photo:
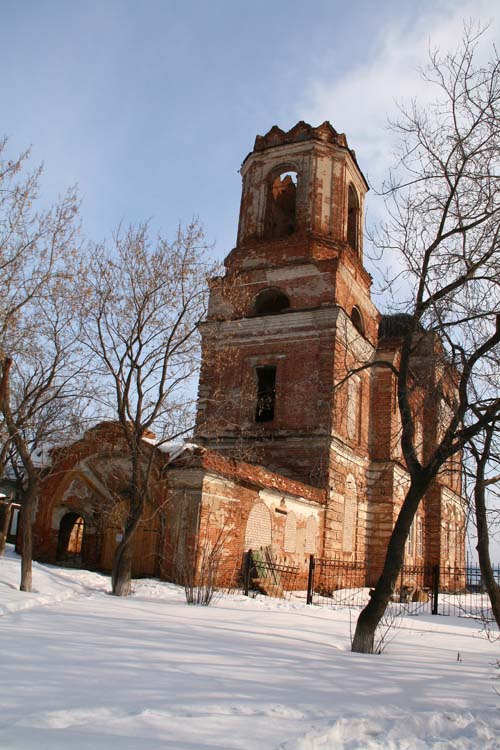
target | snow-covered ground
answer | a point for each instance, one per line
(85, 670)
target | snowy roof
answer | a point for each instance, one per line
(41, 456)
(173, 448)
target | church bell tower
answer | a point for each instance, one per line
(292, 313)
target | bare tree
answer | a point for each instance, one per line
(208, 568)
(443, 232)
(37, 359)
(144, 300)
(485, 451)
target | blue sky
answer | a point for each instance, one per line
(150, 107)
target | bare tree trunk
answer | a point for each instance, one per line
(483, 552)
(446, 162)
(26, 521)
(483, 544)
(29, 495)
(366, 626)
(121, 575)
(5, 527)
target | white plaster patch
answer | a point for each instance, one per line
(294, 272)
(300, 506)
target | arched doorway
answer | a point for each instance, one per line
(70, 539)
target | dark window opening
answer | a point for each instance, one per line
(281, 205)
(270, 302)
(266, 394)
(352, 218)
(357, 320)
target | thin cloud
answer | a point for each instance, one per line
(363, 100)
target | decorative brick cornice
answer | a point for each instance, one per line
(309, 320)
(302, 131)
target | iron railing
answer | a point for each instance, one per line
(437, 590)
(262, 574)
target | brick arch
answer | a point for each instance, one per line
(281, 201)
(258, 531)
(79, 469)
(277, 169)
(79, 486)
(87, 470)
(270, 301)
(58, 502)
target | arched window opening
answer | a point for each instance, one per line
(70, 539)
(271, 302)
(357, 320)
(281, 205)
(353, 218)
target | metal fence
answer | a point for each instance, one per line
(462, 592)
(262, 574)
(437, 590)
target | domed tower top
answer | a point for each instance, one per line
(304, 181)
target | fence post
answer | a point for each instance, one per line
(246, 572)
(310, 580)
(435, 590)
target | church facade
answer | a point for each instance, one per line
(297, 440)
(290, 328)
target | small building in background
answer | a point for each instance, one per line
(10, 508)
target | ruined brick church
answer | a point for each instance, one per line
(291, 451)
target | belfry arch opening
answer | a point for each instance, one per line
(281, 205)
(70, 539)
(353, 218)
(357, 320)
(271, 302)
